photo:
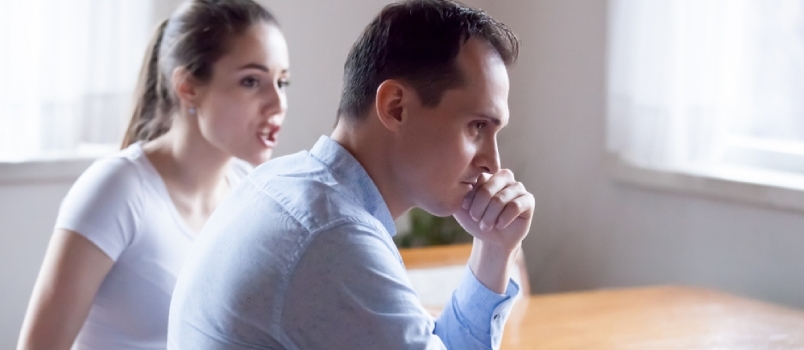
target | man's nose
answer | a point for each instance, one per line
(489, 157)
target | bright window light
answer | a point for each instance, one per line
(707, 84)
(67, 74)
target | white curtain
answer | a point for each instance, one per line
(67, 74)
(690, 78)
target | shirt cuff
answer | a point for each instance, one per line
(481, 309)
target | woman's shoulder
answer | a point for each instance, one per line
(122, 171)
(104, 203)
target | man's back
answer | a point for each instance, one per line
(301, 256)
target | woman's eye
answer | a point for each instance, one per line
(479, 125)
(250, 82)
(283, 84)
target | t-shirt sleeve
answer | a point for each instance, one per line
(103, 205)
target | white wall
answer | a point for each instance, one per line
(589, 232)
(27, 215)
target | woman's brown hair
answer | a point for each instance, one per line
(194, 37)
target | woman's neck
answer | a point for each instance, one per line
(189, 164)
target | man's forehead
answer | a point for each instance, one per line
(480, 63)
(476, 53)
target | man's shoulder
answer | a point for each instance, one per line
(307, 190)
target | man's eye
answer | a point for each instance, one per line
(250, 82)
(479, 125)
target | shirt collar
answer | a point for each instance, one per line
(344, 166)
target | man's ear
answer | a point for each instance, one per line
(392, 103)
(185, 86)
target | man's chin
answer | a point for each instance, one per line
(443, 209)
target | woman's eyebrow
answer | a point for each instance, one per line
(255, 66)
(260, 67)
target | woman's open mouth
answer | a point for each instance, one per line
(267, 138)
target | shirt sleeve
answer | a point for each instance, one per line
(102, 205)
(476, 310)
(350, 291)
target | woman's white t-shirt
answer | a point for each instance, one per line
(121, 205)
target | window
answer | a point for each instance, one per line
(67, 74)
(708, 86)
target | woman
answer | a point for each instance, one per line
(212, 89)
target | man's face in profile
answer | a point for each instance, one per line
(447, 147)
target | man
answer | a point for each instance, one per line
(300, 256)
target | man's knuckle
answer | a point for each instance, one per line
(485, 192)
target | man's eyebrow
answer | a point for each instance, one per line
(494, 120)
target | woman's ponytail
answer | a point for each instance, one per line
(152, 97)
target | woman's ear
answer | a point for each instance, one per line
(392, 103)
(185, 86)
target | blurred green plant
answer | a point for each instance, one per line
(427, 230)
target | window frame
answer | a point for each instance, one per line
(54, 170)
(732, 183)
(767, 173)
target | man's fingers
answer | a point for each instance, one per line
(483, 178)
(498, 203)
(484, 193)
(470, 197)
(516, 208)
(467, 201)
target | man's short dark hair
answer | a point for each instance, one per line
(417, 41)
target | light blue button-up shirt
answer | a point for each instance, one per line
(300, 256)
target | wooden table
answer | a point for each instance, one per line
(651, 318)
